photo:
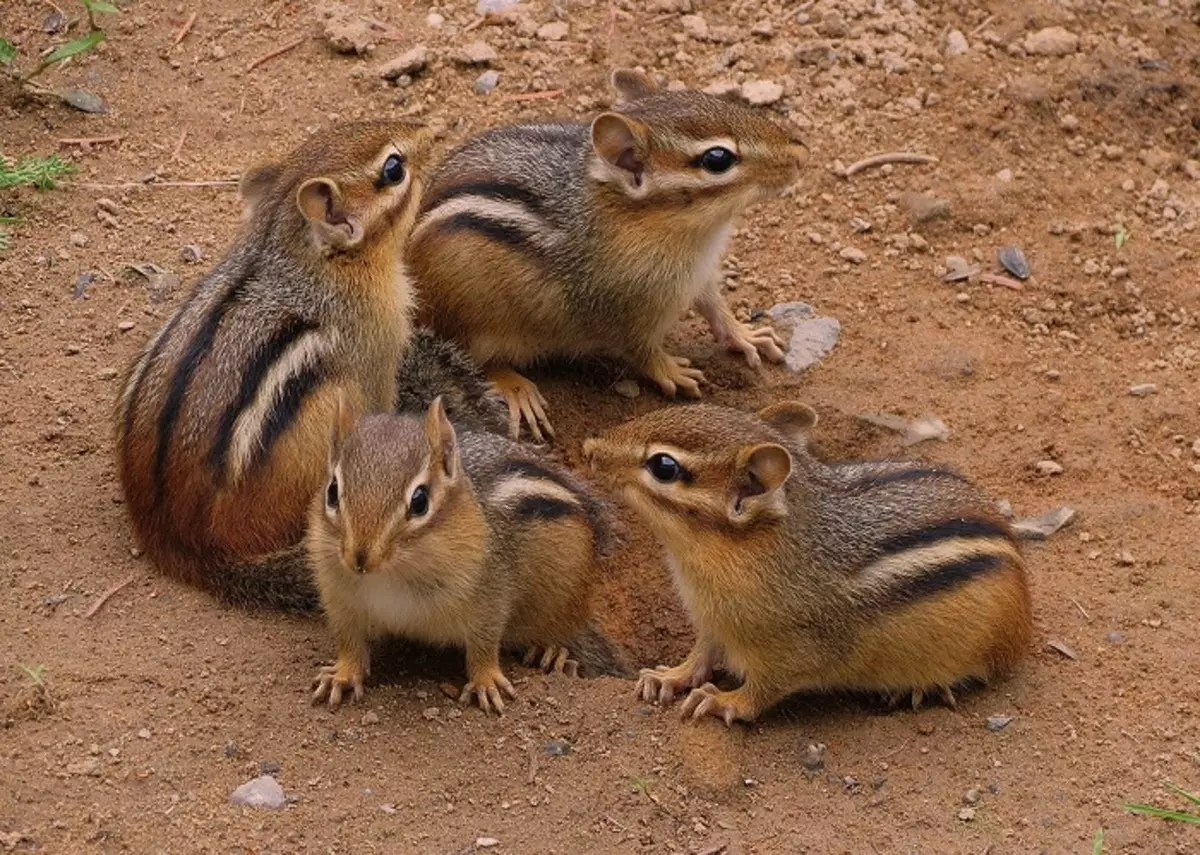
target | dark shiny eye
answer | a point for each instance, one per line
(664, 468)
(717, 159)
(418, 503)
(393, 171)
(331, 494)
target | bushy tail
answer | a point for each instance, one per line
(598, 655)
(279, 580)
(434, 366)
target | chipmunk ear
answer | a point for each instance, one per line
(791, 418)
(333, 229)
(618, 141)
(632, 85)
(443, 442)
(759, 475)
(256, 184)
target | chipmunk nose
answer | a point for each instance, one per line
(360, 560)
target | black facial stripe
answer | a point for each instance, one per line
(940, 578)
(544, 508)
(958, 528)
(496, 230)
(291, 398)
(197, 349)
(498, 190)
(252, 378)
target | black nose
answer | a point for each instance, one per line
(360, 560)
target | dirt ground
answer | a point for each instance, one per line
(134, 724)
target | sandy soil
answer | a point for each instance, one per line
(149, 713)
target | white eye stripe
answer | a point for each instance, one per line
(695, 149)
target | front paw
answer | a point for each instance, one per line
(659, 685)
(674, 375)
(554, 659)
(727, 706)
(757, 342)
(332, 680)
(488, 689)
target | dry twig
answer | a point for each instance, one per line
(995, 279)
(888, 157)
(184, 30)
(179, 145)
(279, 51)
(103, 598)
(90, 141)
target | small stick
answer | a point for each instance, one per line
(87, 141)
(889, 157)
(474, 24)
(132, 185)
(1082, 610)
(279, 51)
(982, 26)
(533, 96)
(533, 763)
(994, 279)
(894, 751)
(179, 145)
(184, 30)
(714, 850)
(103, 598)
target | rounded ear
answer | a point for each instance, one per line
(443, 442)
(759, 472)
(616, 139)
(256, 184)
(320, 201)
(790, 417)
(632, 85)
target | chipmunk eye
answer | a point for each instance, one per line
(664, 468)
(418, 503)
(331, 495)
(717, 159)
(393, 171)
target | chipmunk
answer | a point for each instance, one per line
(222, 427)
(897, 577)
(453, 538)
(566, 239)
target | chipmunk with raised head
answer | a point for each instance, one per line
(896, 577)
(454, 538)
(568, 239)
(222, 427)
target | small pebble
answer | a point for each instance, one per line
(486, 842)
(126, 326)
(1196, 449)
(430, 713)
(760, 93)
(558, 748)
(1049, 467)
(191, 253)
(79, 239)
(409, 63)
(1141, 390)
(1115, 637)
(369, 717)
(1125, 558)
(555, 31)
(971, 797)
(476, 53)
(966, 814)
(1004, 506)
(627, 388)
(956, 43)
(143, 733)
(487, 82)
(813, 758)
(852, 254)
(996, 723)
(263, 791)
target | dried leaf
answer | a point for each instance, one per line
(1063, 649)
(159, 282)
(1013, 260)
(82, 100)
(1043, 525)
(925, 428)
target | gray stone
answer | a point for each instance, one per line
(1043, 525)
(264, 791)
(1141, 390)
(1049, 467)
(812, 337)
(476, 53)
(410, 63)
(956, 43)
(486, 82)
(555, 31)
(996, 723)
(1052, 41)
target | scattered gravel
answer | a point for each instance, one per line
(264, 791)
(411, 63)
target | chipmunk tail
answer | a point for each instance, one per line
(280, 580)
(598, 655)
(434, 367)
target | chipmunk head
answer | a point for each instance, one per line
(712, 153)
(394, 483)
(701, 465)
(344, 187)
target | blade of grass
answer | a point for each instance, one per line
(1098, 844)
(1180, 791)
(8, 52)
(1163, 813)
(71, 48)
(100, 6)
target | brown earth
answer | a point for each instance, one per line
(152, 710)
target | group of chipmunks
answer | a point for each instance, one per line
(322, 424)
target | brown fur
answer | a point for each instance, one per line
(801, 576)
(592, 241)
(218, 456)
(506, 554)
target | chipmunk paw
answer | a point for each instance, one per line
(674, 375)
(525, 403)
(488, 689)
(553, 659)
(727, 706)
(333, 680)
(757, 342)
